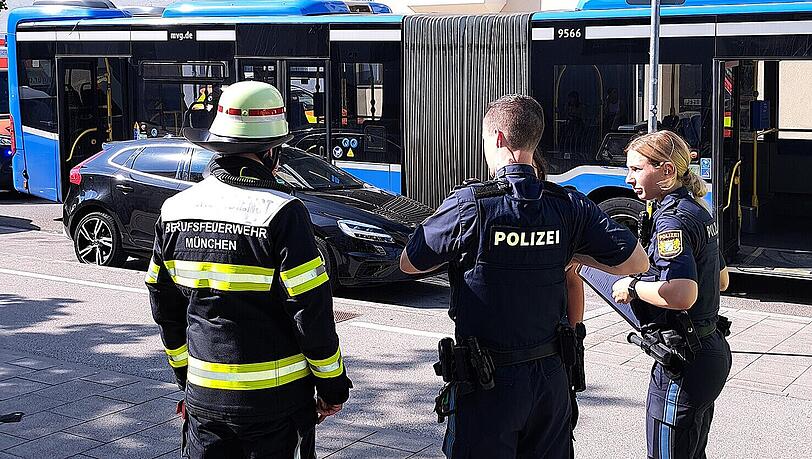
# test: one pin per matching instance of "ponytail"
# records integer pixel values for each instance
(695, 185)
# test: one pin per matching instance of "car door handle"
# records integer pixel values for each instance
(125, 188)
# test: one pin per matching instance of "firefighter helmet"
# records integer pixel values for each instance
(250, 119)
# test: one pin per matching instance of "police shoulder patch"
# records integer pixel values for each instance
(669, 243)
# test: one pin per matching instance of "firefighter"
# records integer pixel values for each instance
(242, 297)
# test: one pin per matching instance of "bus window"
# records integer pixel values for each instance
(260, 70)
(169, 92)
(305, 96)
(3, 92)
(38, 94)
(598, 109)
(361, 93)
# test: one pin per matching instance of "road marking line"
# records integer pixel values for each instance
(404, 331)
(72, 281)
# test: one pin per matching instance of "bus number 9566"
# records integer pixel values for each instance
(568, 33)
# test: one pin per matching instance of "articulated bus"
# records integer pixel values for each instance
(397, 100)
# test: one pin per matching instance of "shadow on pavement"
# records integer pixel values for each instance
(36, 326)
(9, 225)
(769, 289)
(430, 293)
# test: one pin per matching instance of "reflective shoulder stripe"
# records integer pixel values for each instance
(304, 277)
(247, 376)
(220, 276)
(244, 206)
(328, 368)
(178, 357)
(152, 272)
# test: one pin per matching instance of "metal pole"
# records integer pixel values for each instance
(654, 64)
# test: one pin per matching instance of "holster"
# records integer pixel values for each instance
(673, 345)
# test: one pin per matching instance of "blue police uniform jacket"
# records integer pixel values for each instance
(507, 253)
(685, 245)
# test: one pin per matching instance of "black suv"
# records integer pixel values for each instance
(115, 197)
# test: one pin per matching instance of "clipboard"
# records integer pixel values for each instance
(602, 282)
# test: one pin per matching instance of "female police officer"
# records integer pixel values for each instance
(686, 273)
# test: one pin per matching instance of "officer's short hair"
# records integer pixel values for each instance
(519, 117)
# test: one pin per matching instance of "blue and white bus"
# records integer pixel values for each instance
(397, 100)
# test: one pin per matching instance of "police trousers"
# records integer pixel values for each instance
(292, 437)
(679, 411)
(526, 415)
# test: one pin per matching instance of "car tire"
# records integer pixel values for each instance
(625, 211)
(96, 240)
(329, 263)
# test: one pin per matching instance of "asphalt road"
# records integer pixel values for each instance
(53, 306)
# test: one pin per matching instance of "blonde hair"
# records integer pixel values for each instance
(666, 146)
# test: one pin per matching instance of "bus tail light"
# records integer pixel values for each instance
(11, 135)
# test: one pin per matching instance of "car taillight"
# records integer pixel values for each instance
(75, 177)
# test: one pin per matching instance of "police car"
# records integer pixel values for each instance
(115, 197)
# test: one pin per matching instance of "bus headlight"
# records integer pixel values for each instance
(364, 231)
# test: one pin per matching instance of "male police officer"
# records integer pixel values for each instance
(508, 243)
(242, 297)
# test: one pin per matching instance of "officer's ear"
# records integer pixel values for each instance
(669, 169)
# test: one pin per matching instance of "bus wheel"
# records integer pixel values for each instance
(625, 211)
(96, 241)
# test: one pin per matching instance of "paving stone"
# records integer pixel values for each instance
(109, 428)
(132, 447)
(58, 374)
(7, 441)
(74, 390)
(772, 379)
(334, 435)
(434, 451)
(38, 425)
(34, 363)
(169, 431)
(8, 370)
(802, 392)
(177, 396)
(91, 408)
(142, 391)
(154, 411)
(14, 387)
(8, 356)
(397, 440)
(173, 455)
(364, 450)
(110, 378)
(55, 446)
(29, 404)
(754, 385)
(7, 456)
(805, 379)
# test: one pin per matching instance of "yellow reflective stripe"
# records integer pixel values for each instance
(248, 376)
(178, 357)
(301, 269)
(328, 368)
(152, 272)
(219, 267)
(309, 285)
(220, 276)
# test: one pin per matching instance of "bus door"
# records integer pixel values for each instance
(727, 156)
(92, 110)
(302, 84)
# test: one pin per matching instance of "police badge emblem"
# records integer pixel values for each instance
(669, 243)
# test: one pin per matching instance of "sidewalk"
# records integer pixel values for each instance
(73, 410)
(78, 411)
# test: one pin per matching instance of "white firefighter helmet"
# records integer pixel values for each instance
(250, 119)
